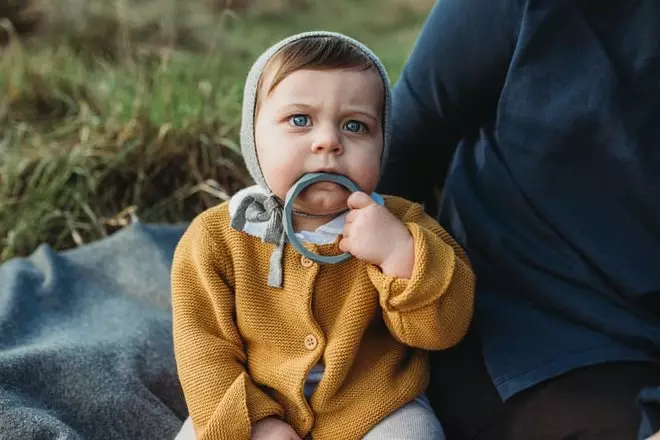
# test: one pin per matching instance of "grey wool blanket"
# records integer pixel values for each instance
(86, 341)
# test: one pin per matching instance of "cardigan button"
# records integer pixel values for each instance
(306, 262)
(311, 342)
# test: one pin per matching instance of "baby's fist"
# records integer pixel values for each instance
(373, 234)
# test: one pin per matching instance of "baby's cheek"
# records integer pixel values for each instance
(280, 178)
(368, 176)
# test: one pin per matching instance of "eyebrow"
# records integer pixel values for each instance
(309, 107)
(374, 119)
(297, 106)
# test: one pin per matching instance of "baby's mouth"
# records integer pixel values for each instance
(330, 172)
(326, 171)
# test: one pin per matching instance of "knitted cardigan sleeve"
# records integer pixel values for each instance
(222, 399)
(432, 310)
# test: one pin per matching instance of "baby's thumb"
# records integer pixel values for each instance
(359, 200)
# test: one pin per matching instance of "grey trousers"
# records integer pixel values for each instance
(414, 421)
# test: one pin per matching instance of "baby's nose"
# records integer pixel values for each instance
(327, 141)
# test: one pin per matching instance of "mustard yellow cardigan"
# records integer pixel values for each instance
(243, 349)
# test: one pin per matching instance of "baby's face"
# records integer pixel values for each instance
(321, 121)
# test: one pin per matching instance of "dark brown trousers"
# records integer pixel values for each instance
(597, 402)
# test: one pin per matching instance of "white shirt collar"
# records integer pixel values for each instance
(326, 233)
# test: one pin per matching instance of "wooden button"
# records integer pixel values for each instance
(311, 342)
(306, 262)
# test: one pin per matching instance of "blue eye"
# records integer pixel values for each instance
(355, 126)
(299, 120)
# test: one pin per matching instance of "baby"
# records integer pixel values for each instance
(271, 345)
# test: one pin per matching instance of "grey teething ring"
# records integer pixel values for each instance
(302, 183)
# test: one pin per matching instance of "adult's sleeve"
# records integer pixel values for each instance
(449, 86)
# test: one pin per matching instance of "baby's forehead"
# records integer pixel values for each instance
(357, 85)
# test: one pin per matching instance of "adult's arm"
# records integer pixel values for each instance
(448, 88)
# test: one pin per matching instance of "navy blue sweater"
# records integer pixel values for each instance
(542, 121)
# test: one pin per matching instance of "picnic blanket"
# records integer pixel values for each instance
(86, 341)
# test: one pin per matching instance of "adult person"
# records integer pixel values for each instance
(540, 119)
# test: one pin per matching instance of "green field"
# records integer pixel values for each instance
(112, 111)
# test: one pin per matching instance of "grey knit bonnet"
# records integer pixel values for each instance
(264, 206)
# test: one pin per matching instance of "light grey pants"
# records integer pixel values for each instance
(414, 421)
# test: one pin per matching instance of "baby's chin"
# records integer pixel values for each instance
(322, 198)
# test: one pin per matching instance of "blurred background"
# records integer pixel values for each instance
(112, 111)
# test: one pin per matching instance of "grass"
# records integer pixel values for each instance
(112, 111)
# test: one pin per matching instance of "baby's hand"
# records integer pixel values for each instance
(373, 234)
(272, 428)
